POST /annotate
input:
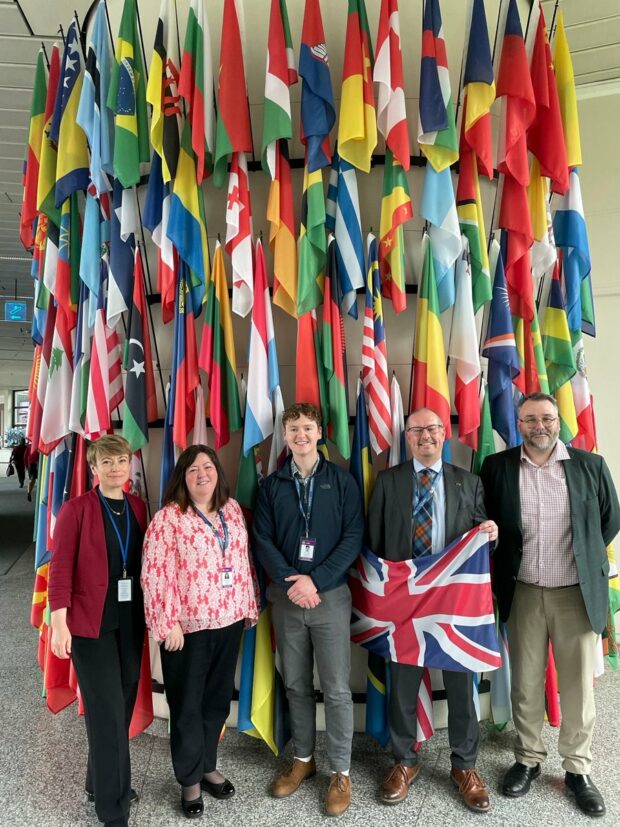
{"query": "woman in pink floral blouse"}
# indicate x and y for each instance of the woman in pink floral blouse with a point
(199, 591)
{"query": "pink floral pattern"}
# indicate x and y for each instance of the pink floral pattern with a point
(181, 573)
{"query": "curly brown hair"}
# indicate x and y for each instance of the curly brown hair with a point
(301, 409)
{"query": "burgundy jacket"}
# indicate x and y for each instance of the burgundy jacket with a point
(78, 577)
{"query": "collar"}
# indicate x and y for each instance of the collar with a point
(559, 454)
(419, 466)
(295, 472)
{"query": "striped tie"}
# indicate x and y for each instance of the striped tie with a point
(423, 519)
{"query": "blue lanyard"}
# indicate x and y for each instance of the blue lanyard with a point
(305, 502)
(420, 502)
(221, 539)
(124, 547)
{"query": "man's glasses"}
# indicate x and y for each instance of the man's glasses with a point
(529, 421)
(432, 429)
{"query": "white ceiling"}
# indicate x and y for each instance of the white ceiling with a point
(593, 30)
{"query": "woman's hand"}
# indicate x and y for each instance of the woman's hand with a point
(61, 636)
(174, 639)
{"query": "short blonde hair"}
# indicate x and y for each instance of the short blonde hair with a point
(109, 445)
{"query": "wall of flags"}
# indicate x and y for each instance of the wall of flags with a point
(168, 211)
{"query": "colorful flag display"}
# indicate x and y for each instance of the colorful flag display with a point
(263, 370)
(33, 154)
(396, 209)
(335, 358)
(430, 380)
(357, 129)
(318, 114)
(196, 86)
(127, 100)
(342, 218)
(374, 357)
(233, 132)
(436, 127)
(388, 75)
(162, 89)
(217, 356)
(89, 132)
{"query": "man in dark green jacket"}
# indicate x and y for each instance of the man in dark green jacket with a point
(308, 530)
(557, 510)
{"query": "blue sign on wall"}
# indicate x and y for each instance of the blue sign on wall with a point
(15, 312)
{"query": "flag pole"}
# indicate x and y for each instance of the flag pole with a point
(47, 60)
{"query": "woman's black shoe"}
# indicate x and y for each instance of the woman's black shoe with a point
(194, 808)
(223, 790)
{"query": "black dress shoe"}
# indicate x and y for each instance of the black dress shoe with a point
(133, 796)
(194, 808)
(588, 798)
(518, 779)
(223, 790)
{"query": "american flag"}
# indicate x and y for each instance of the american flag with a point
(435, 611)
(374, 357)
(105, 385)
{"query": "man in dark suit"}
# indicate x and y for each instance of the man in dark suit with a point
(417, 508)
(557, 510)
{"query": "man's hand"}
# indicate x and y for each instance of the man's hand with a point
(490, 528)
(303, 592)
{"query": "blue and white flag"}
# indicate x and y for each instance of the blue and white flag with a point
(438, 207)
(342, 218)
(569, 227)
(93, 115)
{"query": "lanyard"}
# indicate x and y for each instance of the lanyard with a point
(221, 539)
(305, 501)
(420, 502)
(124, 547)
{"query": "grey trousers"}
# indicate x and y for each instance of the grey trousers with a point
(463, 730)
(321, 633)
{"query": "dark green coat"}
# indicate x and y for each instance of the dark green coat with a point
(595, 521)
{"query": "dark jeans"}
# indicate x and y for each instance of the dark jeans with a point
(199, 682)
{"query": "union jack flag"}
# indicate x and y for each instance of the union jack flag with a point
(435, 611)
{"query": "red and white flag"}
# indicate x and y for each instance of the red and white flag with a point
(239, 235)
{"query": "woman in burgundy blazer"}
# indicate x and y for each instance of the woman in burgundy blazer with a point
(97, 618)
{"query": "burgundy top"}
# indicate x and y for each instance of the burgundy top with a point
(78, 578)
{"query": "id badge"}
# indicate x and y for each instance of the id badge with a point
(306, 549)
(125, 589)
(226, 577)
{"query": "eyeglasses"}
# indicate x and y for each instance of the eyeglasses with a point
(529, 421)
(432, 429)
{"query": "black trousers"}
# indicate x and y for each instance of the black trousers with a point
(199, 682)
(108, 670)
(463, 731)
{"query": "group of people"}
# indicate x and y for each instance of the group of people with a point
(25, 459)
(189, 578)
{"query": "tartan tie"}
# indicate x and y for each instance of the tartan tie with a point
(423, 519)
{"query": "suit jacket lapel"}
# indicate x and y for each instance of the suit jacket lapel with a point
(511, 482)
(451, 494)
(404, 490)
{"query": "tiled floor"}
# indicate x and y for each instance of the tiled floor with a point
(42, 756)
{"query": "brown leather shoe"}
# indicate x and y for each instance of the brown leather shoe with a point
(472, 789)
(396, 786)
(338, 795)
(288, 781)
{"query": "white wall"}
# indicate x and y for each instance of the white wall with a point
(599, 118)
